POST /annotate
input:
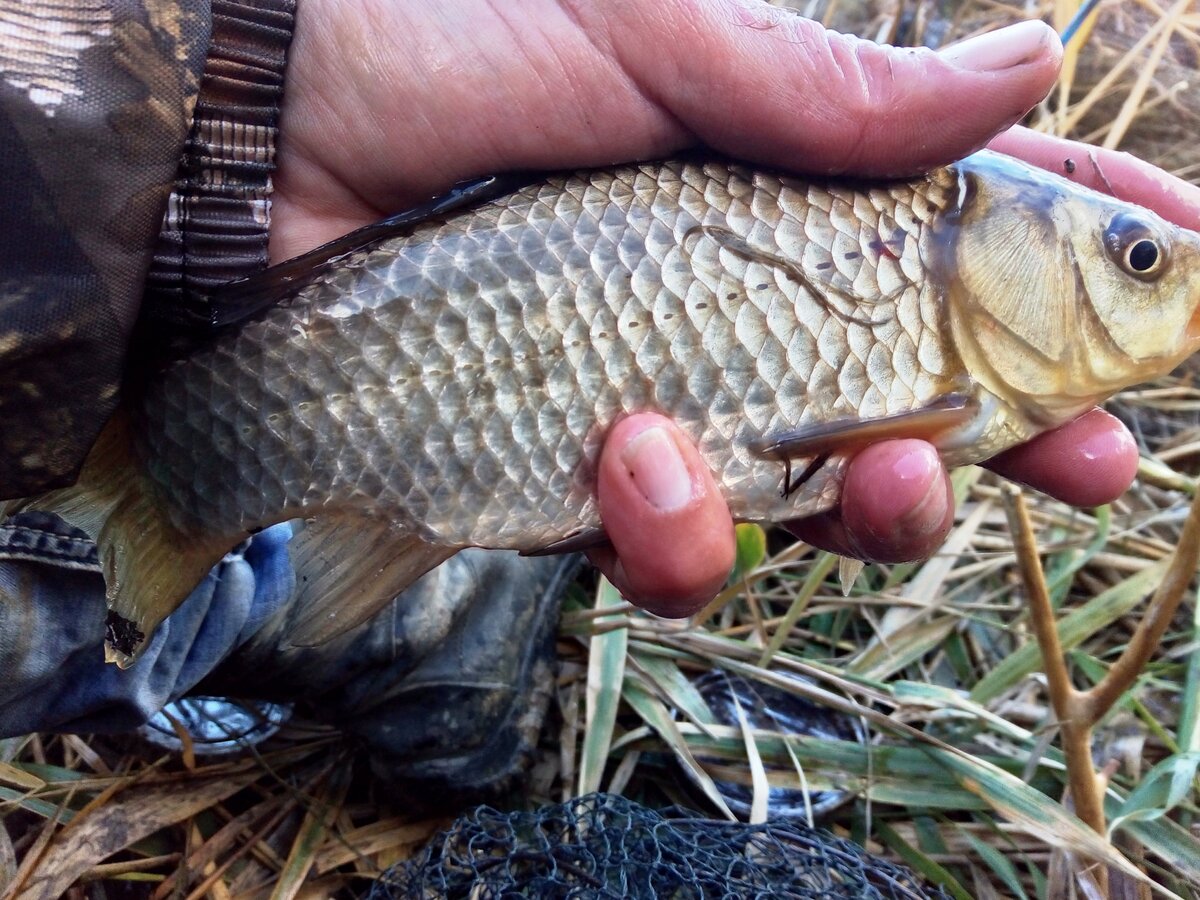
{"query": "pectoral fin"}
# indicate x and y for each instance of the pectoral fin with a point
(817, 443)
(826, 438)
(350, 568)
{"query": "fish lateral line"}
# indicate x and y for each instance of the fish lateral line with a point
(823, 294)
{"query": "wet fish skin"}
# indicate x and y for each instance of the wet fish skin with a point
(452, 386)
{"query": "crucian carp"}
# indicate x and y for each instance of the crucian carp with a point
(447, 379)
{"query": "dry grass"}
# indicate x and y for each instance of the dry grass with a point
(960, 774)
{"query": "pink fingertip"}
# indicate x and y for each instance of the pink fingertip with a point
(1088, 462)
(670, 529)
(897, 505)
(657, 469)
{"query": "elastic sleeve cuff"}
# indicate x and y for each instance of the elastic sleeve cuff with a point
(217, 220)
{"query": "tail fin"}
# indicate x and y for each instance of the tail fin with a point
(149, 565)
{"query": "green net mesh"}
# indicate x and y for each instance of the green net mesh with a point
(602, 846)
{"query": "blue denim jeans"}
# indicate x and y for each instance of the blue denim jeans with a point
(52, 671)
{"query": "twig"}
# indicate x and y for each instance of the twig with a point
(1067, 702)
(1153, 625)
(1079, 711)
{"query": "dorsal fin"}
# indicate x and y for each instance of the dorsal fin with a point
(236, 301)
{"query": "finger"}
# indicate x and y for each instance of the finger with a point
(1123, 176)
(897, 505)
(671, 533)
(764, 84)
(1087, 462)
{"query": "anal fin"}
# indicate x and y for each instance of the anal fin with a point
(349, 568)
(574, 543)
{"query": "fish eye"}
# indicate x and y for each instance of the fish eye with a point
(1135, 247)
(1142, 257)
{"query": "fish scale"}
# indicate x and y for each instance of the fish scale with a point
(460, 379)
(450, 380)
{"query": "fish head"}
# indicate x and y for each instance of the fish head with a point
(1059, 296)
(1140, 281)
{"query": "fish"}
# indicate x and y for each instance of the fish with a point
(446, 379)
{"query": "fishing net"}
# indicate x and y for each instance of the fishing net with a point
(605, 846)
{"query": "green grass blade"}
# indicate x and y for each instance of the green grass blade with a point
(1074, 628)
(823, 564)
(1169, 841)
(656, 715)
(606, 672)
(1161, 789)
(904, 646)
(675, 686)
(1188, 735)
(1000, 864)
(1033, 811)
(918, 861)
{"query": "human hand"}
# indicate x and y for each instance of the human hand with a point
(434, 92)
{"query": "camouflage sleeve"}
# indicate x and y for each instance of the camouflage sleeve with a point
(95, 100)
(96, 128)
(96, 133)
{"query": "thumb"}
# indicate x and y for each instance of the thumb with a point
(764, 84)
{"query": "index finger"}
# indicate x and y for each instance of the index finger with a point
(1119, 174)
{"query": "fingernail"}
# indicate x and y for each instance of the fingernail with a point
(657, 468)
(1000, 49)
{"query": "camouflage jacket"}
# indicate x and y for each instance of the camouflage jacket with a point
(136, 144)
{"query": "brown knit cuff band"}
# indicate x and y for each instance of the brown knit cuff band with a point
(216, 224)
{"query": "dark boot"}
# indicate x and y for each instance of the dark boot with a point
(447, 688)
